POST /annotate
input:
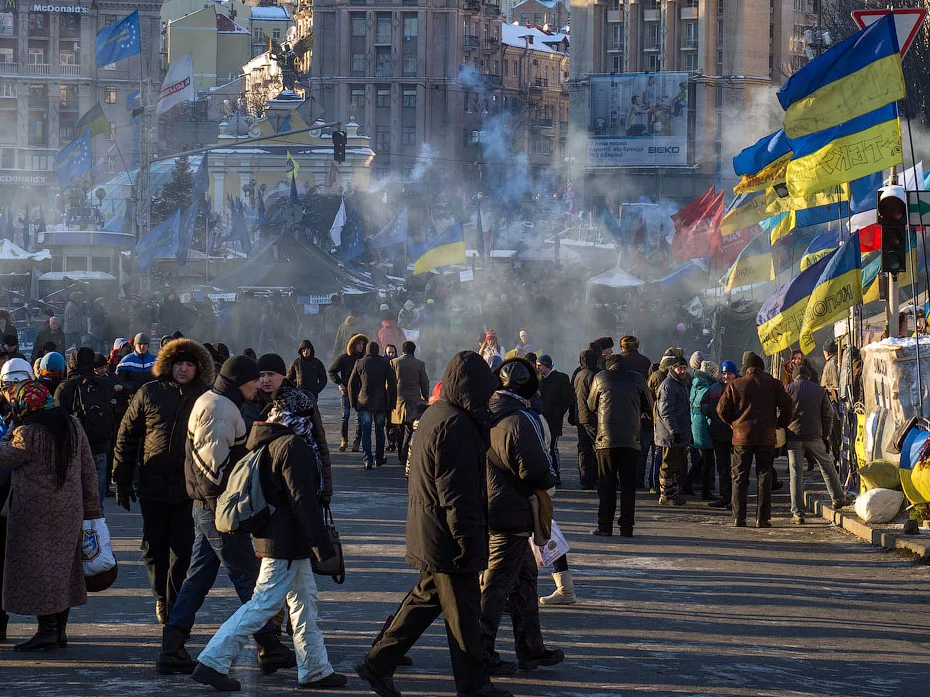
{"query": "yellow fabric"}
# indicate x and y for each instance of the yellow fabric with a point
(775, 203)
(784, 228)
(860, 437)
(745, 216)
(755, 269)
(440, 256)
(920, 479)
(809, 259)
(769, 175)
(835, 194)
(783, 330)
(829, 303)
(858, 93)
(879, 474)
(907, 485)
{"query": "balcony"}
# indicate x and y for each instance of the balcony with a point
(491, 10)
(472, 6)
(383, 38)
(493, 80)
(69, 70)
(689, 12)
(614, 16)
(470, 42)
(8, 68)
(651, 45)
(689, 45)
(541, 123)
(37, 69)
(539, 83)
(651, 15)
(615, 46)
(492, 44)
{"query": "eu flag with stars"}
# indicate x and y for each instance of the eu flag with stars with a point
(74, 158)
(118, 41)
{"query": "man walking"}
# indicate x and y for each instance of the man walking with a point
(412, 394)
(372, 392)
(136, 369)
(152, 436)
(339, 373)
(807, 436)
(754, 406)
(555, 390)
(446, 533)
(620, 398)
(673, 430)
(638, 363)
(585, 419)
(307, 372)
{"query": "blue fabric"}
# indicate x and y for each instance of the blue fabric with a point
(366, 418)
(134, 363)
(700, 432)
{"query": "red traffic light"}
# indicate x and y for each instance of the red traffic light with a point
(892, 207)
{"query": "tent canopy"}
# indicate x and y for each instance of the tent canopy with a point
(615, 278)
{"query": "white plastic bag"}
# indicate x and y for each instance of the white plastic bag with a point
(552, 550)
(879, 505)
(96, 549)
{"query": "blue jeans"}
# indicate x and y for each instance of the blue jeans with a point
(212, 549)
(100, 464)
(365, 419)
(346, 415)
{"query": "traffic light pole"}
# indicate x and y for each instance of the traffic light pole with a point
(891, 305)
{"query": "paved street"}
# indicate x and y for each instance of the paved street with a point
(689, 606)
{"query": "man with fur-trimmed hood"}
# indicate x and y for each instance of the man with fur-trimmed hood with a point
(339, 373)
(153, 436)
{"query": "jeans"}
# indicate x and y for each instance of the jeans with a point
(406, 433)
(365, 419)
(211, 550)
(616, 465)
(346, 415)
(279, 580)
(587, 461)
(554, 454)
(816, 449)
(674, 460)
(765, 467)
(457, 597)
(510, 581)
(100, 464)
(167, 541)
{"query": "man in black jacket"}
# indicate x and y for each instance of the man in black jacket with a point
(621, 399)
(152, 437)
(585, 419)
(339, 373)
(446, 533)
(555, 390)
(638, 363)
(373, 393)
(517, 464)
(307, 372)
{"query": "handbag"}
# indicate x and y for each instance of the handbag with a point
(335, 565)
(541, 503)
(100, 568)
(554, 548)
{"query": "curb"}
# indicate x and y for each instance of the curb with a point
(887, 538)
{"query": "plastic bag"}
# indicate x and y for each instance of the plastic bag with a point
(880, 474)
(552, 550)
(879, 505)
(96, 549)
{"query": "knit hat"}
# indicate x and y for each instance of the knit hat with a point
(546, 360)
(239, 370)
(409, 304)
(629, 343)
(165, 340)
(272, 363)
(384, 307)
(517, 375)
(490, 335)
(830, 346)
(677, 361)
(729, 367)
(52, 363)
(100, 360)
(140, 338)
(697, 358)
(751, 360)
(119, 343)
(606, 342)
(291, 400)
(710, 368)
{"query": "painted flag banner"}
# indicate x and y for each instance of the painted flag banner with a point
(178, 86)
(838, 289)
(394, 233)
(821, 246)
(446, 248)
(95, 119)
(698, 229)
(762, 164)
(753, 265)
(73, 159)
(744, 211)
(118, 41)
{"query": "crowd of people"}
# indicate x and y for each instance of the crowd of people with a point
(480, 449)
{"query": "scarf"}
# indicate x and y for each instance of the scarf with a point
(293, 409)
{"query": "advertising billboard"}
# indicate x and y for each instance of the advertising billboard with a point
(638, 120)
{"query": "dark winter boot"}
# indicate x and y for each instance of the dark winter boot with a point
(272, 654)
(61, 623)
(173, 657)
(46, 639)
(207, 676)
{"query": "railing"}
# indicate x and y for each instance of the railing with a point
(69, 70)
(491, 10)
(542, 123)
(37, 68)
(493, 80)
(472, 6)
(651, 46)
(688, 44)
(470, 42)
(491, 44)
(540, 82)
(8, 68)
(615, 46)
(383, 38)
(614, 16)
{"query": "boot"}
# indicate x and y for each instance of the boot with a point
(46, 639)
(61, 623)
(564, 590)
(207, 676)
(343, 445)
(173, 657)
(272, 654)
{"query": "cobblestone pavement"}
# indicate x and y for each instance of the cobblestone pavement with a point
(689, 606)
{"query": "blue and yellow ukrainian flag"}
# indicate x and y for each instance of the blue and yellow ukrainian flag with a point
(788, 223)
(448, 247)
(860, 147)
(854, 78)
(744, 211)
(753, 265)
(821, 246)
(762, 164)
(838, 289)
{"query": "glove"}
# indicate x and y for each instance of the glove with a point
(124, 494)
(464, 555)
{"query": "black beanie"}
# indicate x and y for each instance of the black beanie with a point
(240, 370)
(272, 362)
(752, 360)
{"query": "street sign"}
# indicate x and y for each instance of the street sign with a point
(906, 23)
(918, 207)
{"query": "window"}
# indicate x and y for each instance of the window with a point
(7, 89)
(652, 35)
(7, 25)
(515, 68)
(618, 37)
(358, 63)
(537, 19)
(67, 58)
(109, 95)
(617, 64)
(691, 34)
(36, 56)
(109, 164)
(69, 23)
(410, 66)
(720, 32)
(506, 67)
(276, 34)
(383, 98)
(408, 136)
(654, 64)
(542, 147)
(257, 36)
(410, 99)
(6, 55)
(37, 22)
(75, 263)
(383, 65)
(411, 26)
(67, 95)
(497, 68)
(112, 133)
(383, 35)
(65, 132)
(690, 62)
(102, 264)
(357, 97)
(524, 18)
(358, 24)
(383, 139)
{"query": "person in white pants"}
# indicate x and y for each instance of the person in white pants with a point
(292, 480)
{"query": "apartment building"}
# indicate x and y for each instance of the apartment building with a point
(547, 14)
(219, 47)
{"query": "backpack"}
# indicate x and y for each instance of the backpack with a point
(242, 508)
(91, 404)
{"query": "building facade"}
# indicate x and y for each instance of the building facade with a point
(219, 47)
(546, 14)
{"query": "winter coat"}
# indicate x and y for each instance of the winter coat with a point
(555, 389)
(619, 398)
(412, 388)
(636, 362)
(830, 380)
(81, 368)
(348, 329)
(700, 424)
(44, 573)
(754, 406)
(290, 479)
(673, 413)
(390, 333)
(584, 417)
(98, 321)
(719, 431)
(813, 413)
(135, 370)
(341, 368)
(372, 385)
(215, 441)
(153, 432)
(72, 322)
(308, 374)
(447, 489)
(520, 464)
(54, 335)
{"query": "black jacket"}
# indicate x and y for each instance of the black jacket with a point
(620, 398)
(813, 413)
(518, 462)
(341, 368)
(290, 480)
(372, 385)
(80, 368)
(57, 336)
(447, 488)
(636, 362)
(555, 389)
(153, 432)
(308, 374)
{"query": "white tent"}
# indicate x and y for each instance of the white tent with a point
(615, 278)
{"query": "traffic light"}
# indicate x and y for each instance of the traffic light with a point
(892, 216)
(339, 146)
